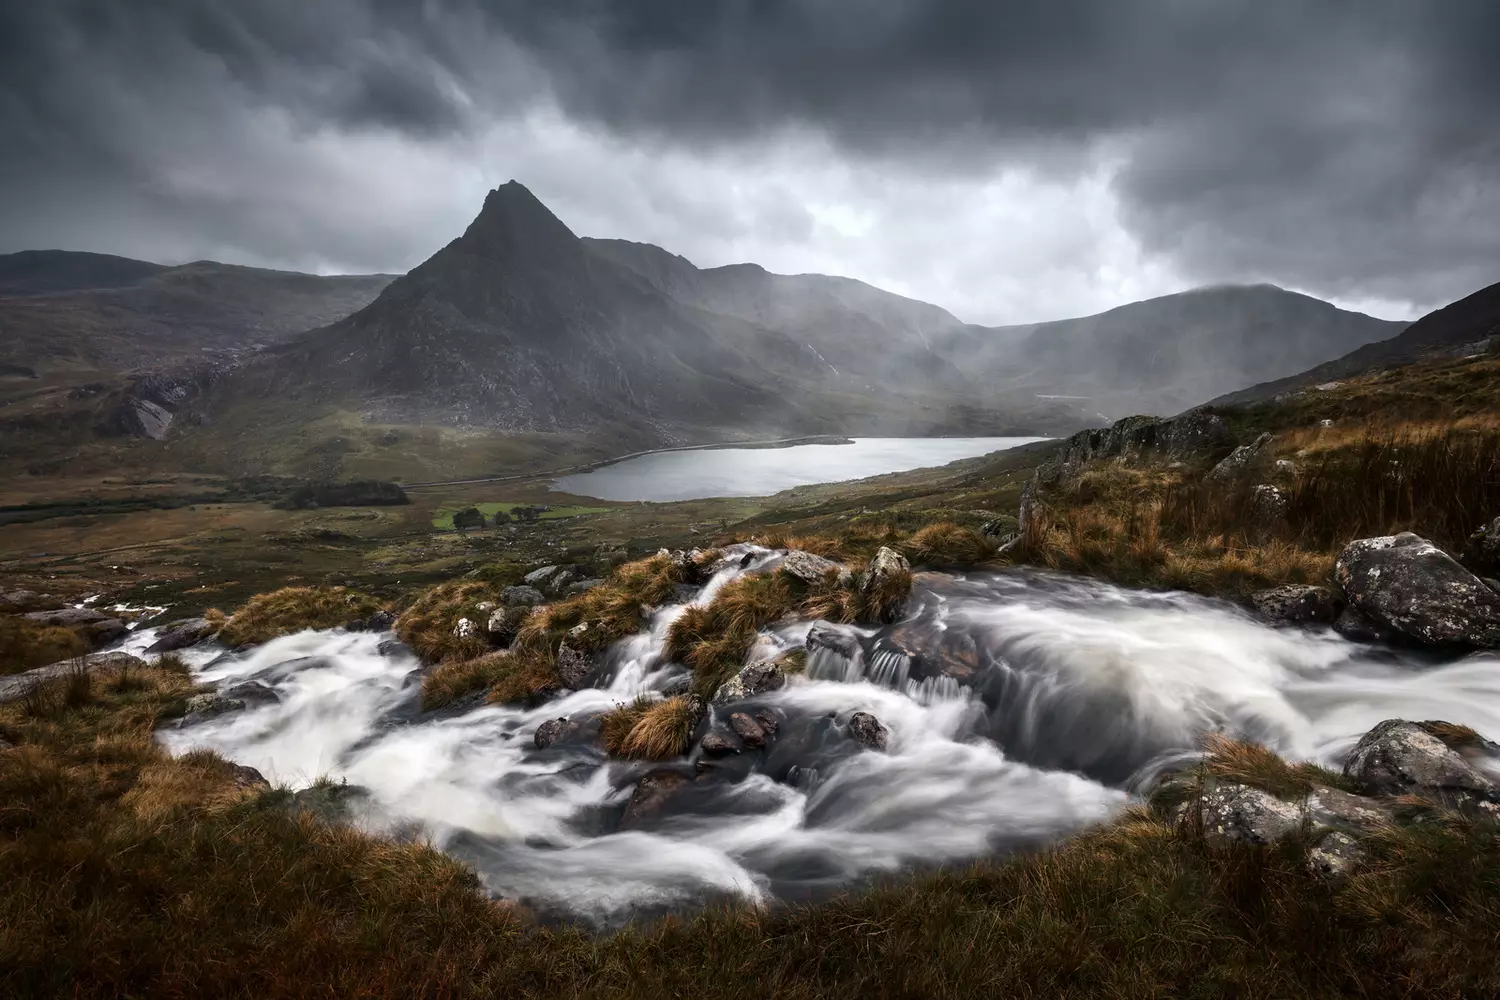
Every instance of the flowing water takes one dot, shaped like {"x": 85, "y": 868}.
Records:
{"x": 1020, "y": 706}
{"x": 756, "y": 472}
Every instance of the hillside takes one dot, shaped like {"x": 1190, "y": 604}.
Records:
{"x": 63, "y": 311}
{"x": 1459, "y": 328}
{"x": 1166, "y": 354}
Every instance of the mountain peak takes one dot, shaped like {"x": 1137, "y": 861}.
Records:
{"x": 513, "y": 220}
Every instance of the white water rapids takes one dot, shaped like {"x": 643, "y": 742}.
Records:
{"x": 1020, "y": 707}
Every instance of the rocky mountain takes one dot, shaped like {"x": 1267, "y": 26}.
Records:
{"x": 1469, "y": 326}
{"x": 521, "y": 326}
{"x": 1166, "y": 354}
{"x": 65, "y": 311}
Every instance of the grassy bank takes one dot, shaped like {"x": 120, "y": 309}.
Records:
{"x": 128, "y": 873}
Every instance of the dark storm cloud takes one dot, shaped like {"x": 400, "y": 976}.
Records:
{"x": 1348, "y": 147}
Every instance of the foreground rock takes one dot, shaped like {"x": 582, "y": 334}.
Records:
{"x": 1406, "y": 584}
{"x": 1298, "y": 604}
{"x": 867, "y": 731}
{"x": 812, "y": 569}
{"x": 755, "y": 679}
{"x": 1399, "y": 757}
{"x": 181, "y": 635}
{"x": 554, "y": 731}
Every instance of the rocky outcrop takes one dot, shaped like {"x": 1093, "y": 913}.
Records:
{"x": 1298, "y": 604}
{"x": 1412, "y": 588}
{"x": 867, "y": 731}
{"x": 98, "y": 628}
{"x": 754, "y": 679}
{"x": 811, "y": 568}
{"x": 181, "y": 635}
{"x": 1482, "y": 551}
{"x": 1191, "y": 437}
{"x": 1240, "y": 461}
{"x": 1399, "y": 757}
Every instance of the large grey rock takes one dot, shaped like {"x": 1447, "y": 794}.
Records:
{"x": 829, "y": 638}
{"x": 887, "y": 565}
{"x": 1231, "y": 811}
{"x": 540, "y": 577}
{"x": 811, "y": 568}
{"x": 1398, "y": 757}
{"x": 754, "y": 679}
{"x": 1482, "y": 551}
{"x": 181, "y": 635}
{"x": 1298, "y": 604}
{"x": 521, "y": 596}
{"x": 867, "y": 731}
{"x": 1240, "y": 461}
{"x": 1410, "y": 586}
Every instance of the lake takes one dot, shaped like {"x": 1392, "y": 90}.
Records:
{"x": 757, "y": 472}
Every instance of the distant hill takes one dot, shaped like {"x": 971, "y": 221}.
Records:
{"x": 1463, "y": 327}
{"x": 1166, "y": 354}
{"x": 68, "y": 310}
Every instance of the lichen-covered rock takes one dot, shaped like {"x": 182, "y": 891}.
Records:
{"x": 867, "y": 731}
{"x": 505, "y": 623}
{"x": 522, "y": 596}
{"x": 811, "y": 568}
{"x": 181, "y": 635}
{"x": 1482, "y": 551}
{"x": 574, "y": 667}
{"x": 1268, "y": 507}
{"x": 1334, "y": 855}
{"x": 1298, "y": 604}
{"x": 1230, "y": 811}
{"x": 1399, "y": 757}
{"x": 1410, "y": 586}
{"x": 464, "y": 628}
{"x": 754, "y": 679}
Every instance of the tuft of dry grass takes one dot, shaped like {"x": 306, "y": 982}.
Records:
{"x": 946, "y": 545}
{"x": 172, "y": 663}
{"x": 25, "y": 644}
{"x": 1255, "y": 765}
{"x": 1453, "y": 735}
{"x": 292, "y": 609}
{"x": 650, "y": 728}
{"x": 522, "y": 674}
{"x": 427, "y": 626}
{"x": 713, "y": 639}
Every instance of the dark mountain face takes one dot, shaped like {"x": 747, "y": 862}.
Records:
{"x": 518, "y": 325}
{"x": 62, "y": 310}
{"x": 1467, "y": 326}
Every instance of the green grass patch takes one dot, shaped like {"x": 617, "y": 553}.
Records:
{"x": 442, "y": 518}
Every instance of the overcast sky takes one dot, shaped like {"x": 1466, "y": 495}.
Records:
{"x": 1010, "y": 161}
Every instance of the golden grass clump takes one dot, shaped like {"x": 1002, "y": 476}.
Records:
{"x": 1254, "y": 765}
{"x": 520, "y": 674}
{"x": 946, "y": 545}
{"x": 884, "y": 601}
{"x": 613, "y": 610}
{"x": 428, "y": 625}
{"x": 713, "y": 639}
{"x": 651, "y": 729}
{"x": 292, "y": 609}
{"x": 24, "y": 644}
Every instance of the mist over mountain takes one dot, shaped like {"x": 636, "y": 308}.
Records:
{"x": 1467, "y": 326}
{"x": 70, "y": 310}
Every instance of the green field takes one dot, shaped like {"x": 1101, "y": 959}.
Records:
{"x": 442, "y": 518}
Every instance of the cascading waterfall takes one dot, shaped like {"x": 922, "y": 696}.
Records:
{"x": 1020, "y": 706}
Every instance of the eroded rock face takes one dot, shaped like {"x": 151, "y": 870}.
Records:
{"x": 1408, "y": 585}
{"x": 867, "y": 731}
{"x": 1240, "y": 461}
{"x": 754, "y": 679}
{"x": 1298, "y": 604}
{"x": 1399, "y": 757}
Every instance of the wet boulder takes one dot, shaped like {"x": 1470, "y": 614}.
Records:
{"x": 717, "y": 744}
{"x": 181, "y": 635}
{"x": 381, "y": 621}
{"x": 1482, "y": 551}
{"x": 522, "y": 596}
{"x": 751, "y": 733}
{"x": 867, "y": 731}
{"x": 1298, "y": 604}
{"x": 554, "y": 731}
{"x": 755, "y": 679}
{"x": 251, "y": 693}
{"x": 1355, "y": 627}
{"x": 652, "y": 793}
{"x": 1398, "y": 757}
{"x": 1406, "y": 584}
{"x": 813, "y": 569}
{"x": 823, "y": 636}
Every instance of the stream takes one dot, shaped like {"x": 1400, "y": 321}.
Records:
{"x": 1021, "y": 706}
